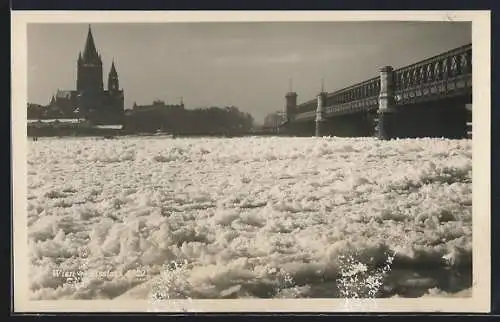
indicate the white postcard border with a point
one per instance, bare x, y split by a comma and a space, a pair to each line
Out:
480, 300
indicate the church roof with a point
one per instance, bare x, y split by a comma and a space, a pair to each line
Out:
90, 51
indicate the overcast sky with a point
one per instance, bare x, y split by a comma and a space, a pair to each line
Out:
243, 64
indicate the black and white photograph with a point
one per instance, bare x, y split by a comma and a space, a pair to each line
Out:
261, 164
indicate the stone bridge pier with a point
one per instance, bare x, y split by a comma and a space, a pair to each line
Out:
296, 128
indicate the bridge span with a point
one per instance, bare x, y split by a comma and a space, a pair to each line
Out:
430, 98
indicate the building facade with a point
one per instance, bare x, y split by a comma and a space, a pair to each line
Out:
157, 116
273, 121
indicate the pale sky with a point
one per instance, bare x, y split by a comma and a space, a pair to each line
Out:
243, 64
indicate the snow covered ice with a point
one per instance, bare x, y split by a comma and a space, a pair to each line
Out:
246, 217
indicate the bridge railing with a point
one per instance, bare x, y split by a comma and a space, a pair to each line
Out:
361, 95
306, 110
307, 106
366, 89
440, 68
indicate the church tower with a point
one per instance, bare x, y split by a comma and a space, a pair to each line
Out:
113, 83
115, 95
89, 73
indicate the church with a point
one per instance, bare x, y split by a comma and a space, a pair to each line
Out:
90, 101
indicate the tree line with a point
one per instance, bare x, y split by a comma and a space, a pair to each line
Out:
200, 121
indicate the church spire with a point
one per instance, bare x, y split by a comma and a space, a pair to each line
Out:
90, 51
113, 84
113, 69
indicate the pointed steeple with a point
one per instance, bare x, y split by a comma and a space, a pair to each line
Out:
53, 100
113, 83
90, 51
113, 69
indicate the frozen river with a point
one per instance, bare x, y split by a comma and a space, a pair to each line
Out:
249, 217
